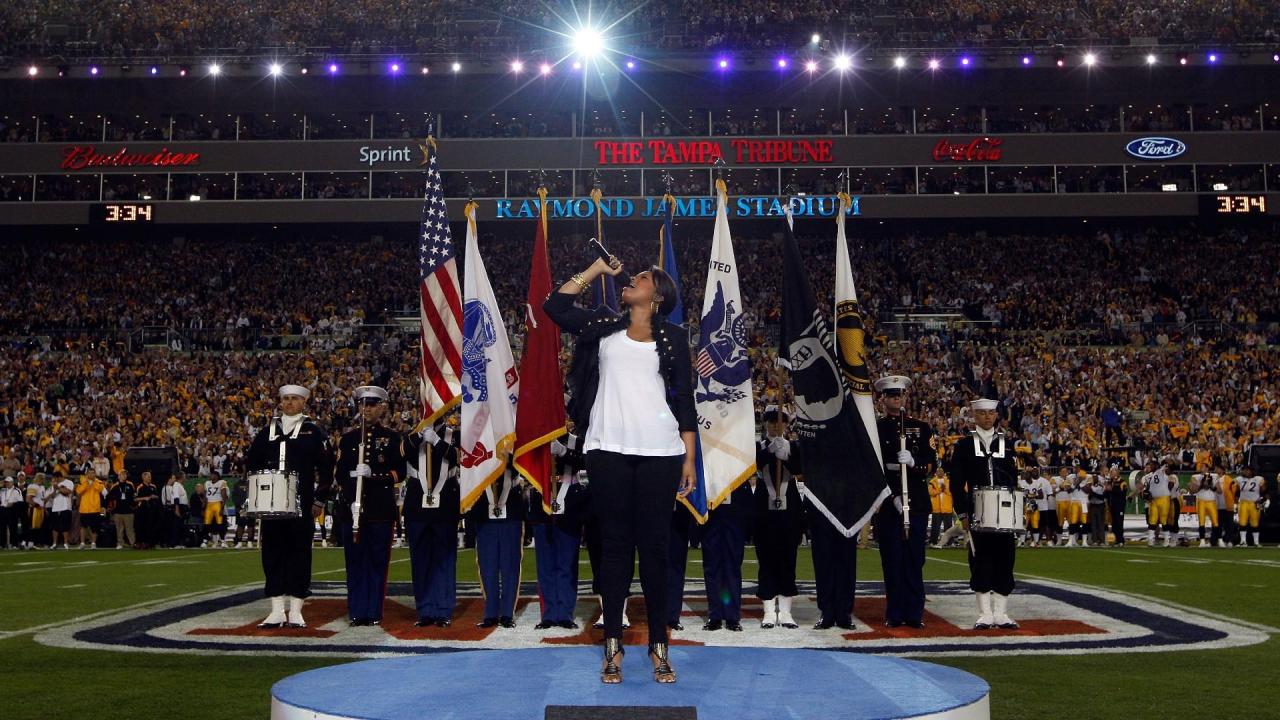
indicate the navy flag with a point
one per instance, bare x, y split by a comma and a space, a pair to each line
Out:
843, 477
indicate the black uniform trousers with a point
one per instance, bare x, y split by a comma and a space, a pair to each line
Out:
724, 540
902, 559
991, 562
9, 526
1117, 520
631, 496
677, 562
556, 552
286, 556
777, 537
835, 562
499, 551
367, 562
433, 560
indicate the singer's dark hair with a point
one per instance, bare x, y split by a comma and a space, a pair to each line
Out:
666, 287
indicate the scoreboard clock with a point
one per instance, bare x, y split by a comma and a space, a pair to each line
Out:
1233, 204
121, 213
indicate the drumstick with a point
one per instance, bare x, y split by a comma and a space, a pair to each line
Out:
355, 504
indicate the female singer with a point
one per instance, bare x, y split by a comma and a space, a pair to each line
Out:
632, 403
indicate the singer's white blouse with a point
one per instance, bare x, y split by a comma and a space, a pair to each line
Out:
631, 415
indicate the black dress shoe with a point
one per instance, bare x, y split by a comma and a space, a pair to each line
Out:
545, 625
823, 624
845, 624
443, 622
675, 626
568, 625
893, 623
356, 622
425, 622
917, 624
712, 625
507, 622
733, 626
487, 623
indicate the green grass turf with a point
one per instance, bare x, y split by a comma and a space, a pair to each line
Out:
43, 682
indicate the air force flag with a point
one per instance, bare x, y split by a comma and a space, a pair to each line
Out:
490, 382
722, 389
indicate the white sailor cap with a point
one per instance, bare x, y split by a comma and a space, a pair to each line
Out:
370, 391
299, 390
8, 478
890, 383
984, 404
773, 413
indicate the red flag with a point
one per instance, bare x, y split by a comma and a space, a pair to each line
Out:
540, 412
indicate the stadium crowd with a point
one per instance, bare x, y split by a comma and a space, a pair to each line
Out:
290, 29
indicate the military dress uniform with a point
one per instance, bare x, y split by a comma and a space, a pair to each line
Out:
779, 525
724, 541
431, 514
295, 444
557, 537
902, 553
979, 460
367, 551
499, 516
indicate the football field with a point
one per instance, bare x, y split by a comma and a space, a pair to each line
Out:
1107, 633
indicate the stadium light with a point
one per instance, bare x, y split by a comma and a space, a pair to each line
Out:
93, 70
276, 69
899, 62
517, 67
1090, 59
395, 68
934, 64
1026, 60
782, 63
1213, 57
588, 42
155, 70
1151, 59
1182, 59
965, 61
631, 64
333, 68
843, 62
456, 67
33, 71
723, 63
811, 66
215, 69
577, 65
815, 38
545, 69
425, 70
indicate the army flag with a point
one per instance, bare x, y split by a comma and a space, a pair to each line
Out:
843, 476
490, 383
851, 335
540, 412
722, 386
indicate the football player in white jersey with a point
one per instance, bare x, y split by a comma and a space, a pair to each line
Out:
215, 521
1252, 487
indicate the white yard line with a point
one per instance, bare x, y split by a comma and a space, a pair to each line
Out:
1159, 601
1252, 562
112, 611
81, 564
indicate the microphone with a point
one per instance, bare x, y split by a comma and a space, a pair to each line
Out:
622, 277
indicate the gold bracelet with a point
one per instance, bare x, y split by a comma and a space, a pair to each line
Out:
581, 282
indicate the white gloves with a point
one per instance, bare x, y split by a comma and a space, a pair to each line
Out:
558, 449
429, 436
363, 470
780, 448
904, 458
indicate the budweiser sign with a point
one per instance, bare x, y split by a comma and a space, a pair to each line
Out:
983, 149
82, 157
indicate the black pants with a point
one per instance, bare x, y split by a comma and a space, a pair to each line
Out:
991, 562
632, 498
1226, 529
1098, 523
723, 543
1117, 521
677, 561
835, 564
1050, 524
9, 527
902, 560
286, 556
938, 524
777, 541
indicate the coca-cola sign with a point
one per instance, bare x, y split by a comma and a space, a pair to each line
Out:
83, 157
1155, 148
983, 149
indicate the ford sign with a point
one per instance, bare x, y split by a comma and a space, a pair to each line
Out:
1156, 148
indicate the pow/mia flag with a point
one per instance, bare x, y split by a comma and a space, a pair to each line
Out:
851, 336
843, 475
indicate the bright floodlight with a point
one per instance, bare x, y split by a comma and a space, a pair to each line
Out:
815, 38
1151, 59
899, 62
588, 42
33, 70
1090, 59
456, 67
517, 66
545, 69
934, 64
843, 62
811, 66
275, 69
215, 69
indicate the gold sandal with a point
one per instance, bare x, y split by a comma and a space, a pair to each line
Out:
613, 652
662, 672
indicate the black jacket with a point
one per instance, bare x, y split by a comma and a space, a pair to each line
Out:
968, 470
584, 375
308, 455
384, 454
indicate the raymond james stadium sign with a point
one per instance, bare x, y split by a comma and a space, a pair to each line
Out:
697, 207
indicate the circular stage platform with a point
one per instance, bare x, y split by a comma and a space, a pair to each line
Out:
720, 683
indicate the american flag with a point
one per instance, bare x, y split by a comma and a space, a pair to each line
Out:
440, 304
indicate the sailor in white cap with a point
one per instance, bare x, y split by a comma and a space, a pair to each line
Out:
10, 508
369, 469
291, 443
910, 457
984, 459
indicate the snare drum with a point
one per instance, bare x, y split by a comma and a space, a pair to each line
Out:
273, 494
997, 509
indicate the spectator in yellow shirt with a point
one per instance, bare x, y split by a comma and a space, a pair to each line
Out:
944, 515
90, 491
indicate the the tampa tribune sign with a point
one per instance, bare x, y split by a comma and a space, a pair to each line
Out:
760, 206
